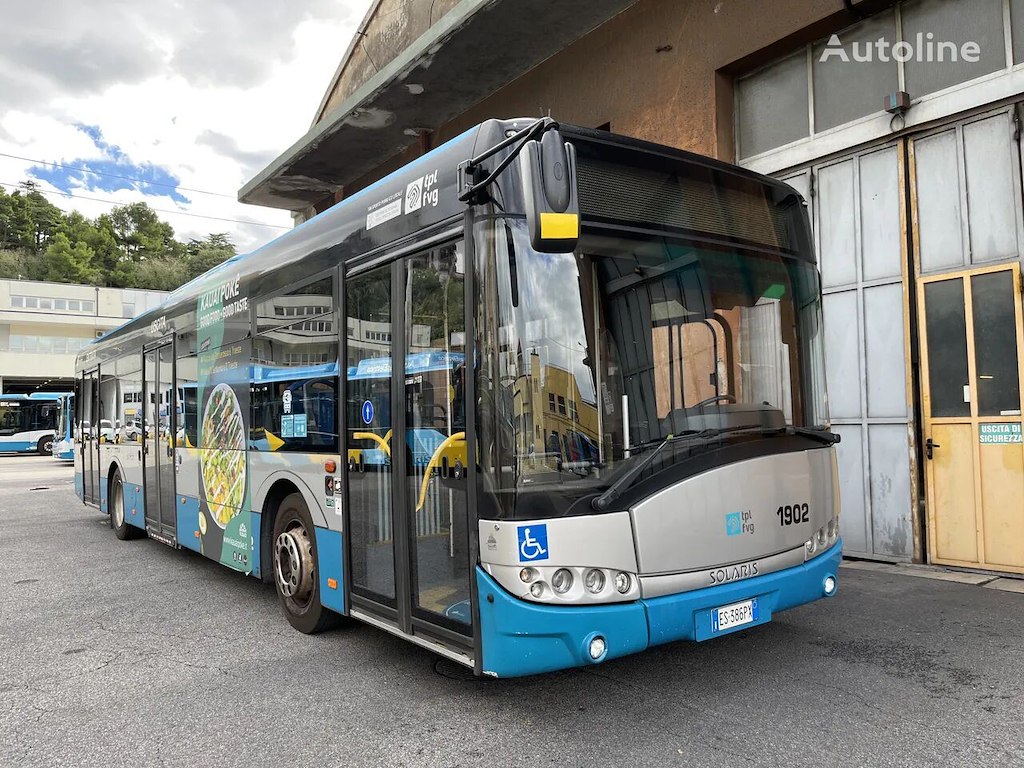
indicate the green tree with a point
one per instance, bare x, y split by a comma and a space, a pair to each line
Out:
67, 263
203, 255
100, 237
14, 265
40, 219
140, 233
130, 247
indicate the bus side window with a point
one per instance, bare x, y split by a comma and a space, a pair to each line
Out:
295, 371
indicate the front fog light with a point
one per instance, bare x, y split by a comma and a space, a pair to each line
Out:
597, 647
829, 585
622, 582
527, 575
561, 581
537, 589
594, 580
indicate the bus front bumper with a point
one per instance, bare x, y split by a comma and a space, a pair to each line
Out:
524, 638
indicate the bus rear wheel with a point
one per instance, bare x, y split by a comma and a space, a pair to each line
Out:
45, 446
295, 573
122, 529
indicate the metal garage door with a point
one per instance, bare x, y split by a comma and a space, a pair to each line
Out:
857, 212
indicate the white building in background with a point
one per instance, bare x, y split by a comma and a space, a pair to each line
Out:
43, 325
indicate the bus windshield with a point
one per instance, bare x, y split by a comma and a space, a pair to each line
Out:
601, 355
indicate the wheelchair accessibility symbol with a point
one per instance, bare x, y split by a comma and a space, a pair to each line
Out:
533, 542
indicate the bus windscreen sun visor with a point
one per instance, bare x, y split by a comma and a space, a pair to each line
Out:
552, 203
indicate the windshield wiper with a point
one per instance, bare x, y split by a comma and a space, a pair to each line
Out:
815, 433
601, 502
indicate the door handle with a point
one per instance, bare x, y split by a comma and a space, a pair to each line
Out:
929, 445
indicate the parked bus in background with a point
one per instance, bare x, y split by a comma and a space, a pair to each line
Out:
64, 439
28, 423
544, 397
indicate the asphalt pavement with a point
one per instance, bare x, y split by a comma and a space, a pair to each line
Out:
130, 653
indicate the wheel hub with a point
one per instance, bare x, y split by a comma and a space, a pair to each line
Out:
293, 564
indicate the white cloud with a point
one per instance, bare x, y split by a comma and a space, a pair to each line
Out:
210, 93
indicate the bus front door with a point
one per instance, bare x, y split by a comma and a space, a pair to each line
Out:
158, 430
408, 517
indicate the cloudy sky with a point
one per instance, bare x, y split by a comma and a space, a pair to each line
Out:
177, 103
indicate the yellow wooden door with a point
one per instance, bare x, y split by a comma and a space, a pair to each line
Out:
971, 357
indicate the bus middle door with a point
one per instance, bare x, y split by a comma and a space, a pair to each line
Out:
158, 430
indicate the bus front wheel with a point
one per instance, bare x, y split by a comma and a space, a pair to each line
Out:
45, 445
296, 578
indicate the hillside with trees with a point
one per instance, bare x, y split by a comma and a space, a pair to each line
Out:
130, 247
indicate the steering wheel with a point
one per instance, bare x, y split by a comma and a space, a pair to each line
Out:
715, 399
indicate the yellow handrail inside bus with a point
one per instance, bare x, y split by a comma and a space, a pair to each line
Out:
383, 442
435, 460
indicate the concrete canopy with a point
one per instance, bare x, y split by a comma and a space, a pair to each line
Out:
477, 47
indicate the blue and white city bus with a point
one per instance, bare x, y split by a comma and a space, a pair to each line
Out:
64, 439
28, 423
624, 337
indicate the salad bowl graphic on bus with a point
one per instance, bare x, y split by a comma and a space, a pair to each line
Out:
223, 460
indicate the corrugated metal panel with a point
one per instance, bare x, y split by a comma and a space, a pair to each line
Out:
860, 249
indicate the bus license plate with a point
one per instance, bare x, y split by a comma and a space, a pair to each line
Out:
735, 615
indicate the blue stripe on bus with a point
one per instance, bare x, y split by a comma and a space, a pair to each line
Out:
134, 505
187, 522
103, 497
79, 485
523, 638
17, 445
687, 616
330, 559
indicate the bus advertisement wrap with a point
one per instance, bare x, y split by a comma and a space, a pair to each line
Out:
225, 523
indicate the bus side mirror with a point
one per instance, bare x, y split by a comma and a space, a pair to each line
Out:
549, 187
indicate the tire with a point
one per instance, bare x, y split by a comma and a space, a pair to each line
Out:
296, 579
45, 446
115, 500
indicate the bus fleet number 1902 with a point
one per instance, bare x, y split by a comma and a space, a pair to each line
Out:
791, 515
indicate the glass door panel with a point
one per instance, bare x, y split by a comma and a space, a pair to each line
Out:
369, 435
167, 421
88, 431
435, 440
150, 441
946, 323
995, 344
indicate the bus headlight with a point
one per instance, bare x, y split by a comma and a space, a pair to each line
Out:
822, 539
561, 581
567, 584
594, 581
